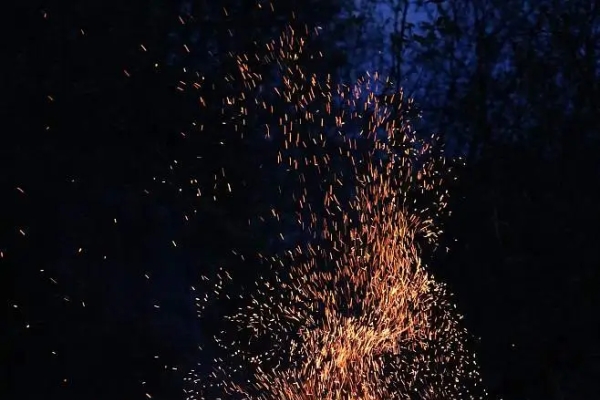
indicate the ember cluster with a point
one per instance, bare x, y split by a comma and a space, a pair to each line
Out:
349, 310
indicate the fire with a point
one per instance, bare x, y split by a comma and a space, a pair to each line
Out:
352, 313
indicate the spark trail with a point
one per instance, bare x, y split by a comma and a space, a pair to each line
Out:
351, 312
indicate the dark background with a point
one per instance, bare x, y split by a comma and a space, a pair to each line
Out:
91, 124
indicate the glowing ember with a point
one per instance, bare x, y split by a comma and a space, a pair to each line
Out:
351, 312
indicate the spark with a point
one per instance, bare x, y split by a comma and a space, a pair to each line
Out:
354, 312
